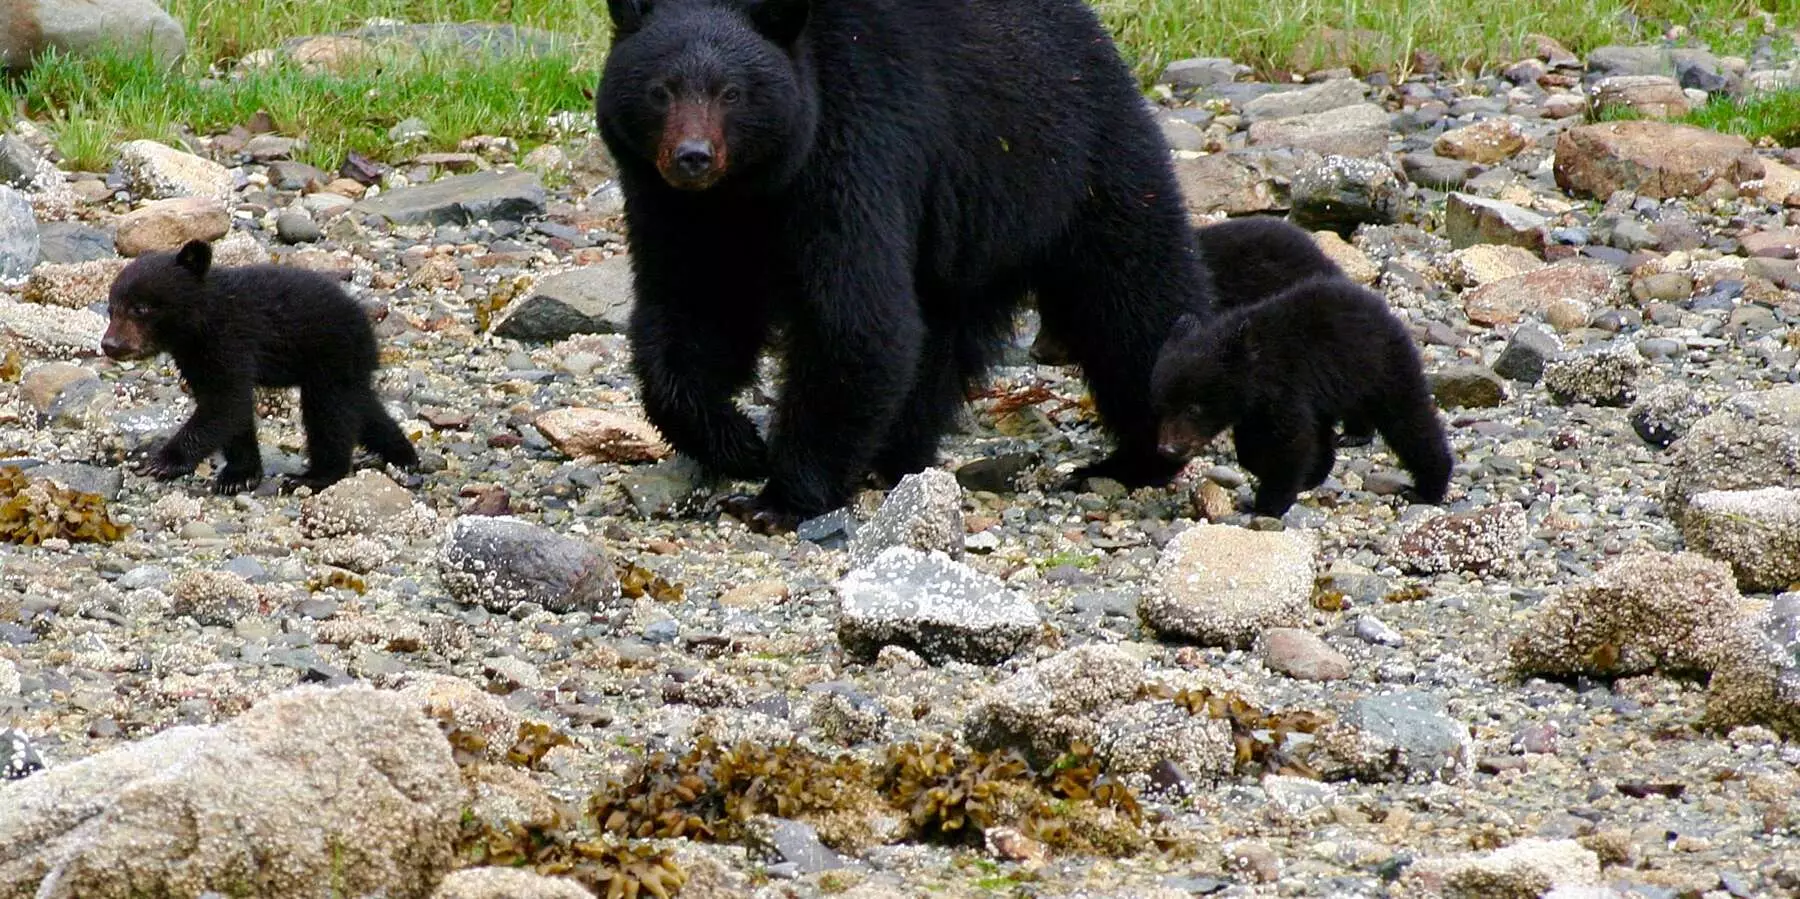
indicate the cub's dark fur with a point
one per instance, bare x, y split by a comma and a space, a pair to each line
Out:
1281, 373
230, 330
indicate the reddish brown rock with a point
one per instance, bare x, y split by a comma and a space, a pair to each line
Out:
1656, 159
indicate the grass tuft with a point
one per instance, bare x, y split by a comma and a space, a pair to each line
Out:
1774, 115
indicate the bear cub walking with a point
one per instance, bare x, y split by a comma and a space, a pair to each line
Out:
231, 330
1281, 373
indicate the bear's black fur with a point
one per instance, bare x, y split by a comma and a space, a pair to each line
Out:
884, 182
1282, 372
1251, 259
233, 329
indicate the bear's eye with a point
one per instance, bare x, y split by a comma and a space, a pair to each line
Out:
141, 309
730, 96
659, 95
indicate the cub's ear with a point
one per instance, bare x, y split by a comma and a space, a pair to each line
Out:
195, 256
627, 15
780, 20
1186, 323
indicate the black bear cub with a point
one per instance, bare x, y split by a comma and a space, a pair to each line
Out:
230, 330
882, 183
1251, 258
1281, 373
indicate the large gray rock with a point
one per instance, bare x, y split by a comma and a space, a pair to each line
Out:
459, 200
594, 299
18, 235
1752, 441
312, 793
73, 242
1341, 192
1396, 736
29, 27
923, 511
1313, 99
500, 561
1223, 585
1359, 131
934, 605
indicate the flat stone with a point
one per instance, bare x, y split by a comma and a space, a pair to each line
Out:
593, 299
1470, 220
460, 200
1223, 585
933, 605
19, 236
1659, 160
158, 172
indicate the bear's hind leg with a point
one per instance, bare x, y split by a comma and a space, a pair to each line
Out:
383, 436
1325, 456
1410, 425
332, 416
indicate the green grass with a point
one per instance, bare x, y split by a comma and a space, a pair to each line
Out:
91, 105
1774, 115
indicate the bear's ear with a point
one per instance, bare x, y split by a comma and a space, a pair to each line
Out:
627, 15
780, 20
195, 256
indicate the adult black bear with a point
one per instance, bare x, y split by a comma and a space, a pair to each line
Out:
884, 181
1251, 259
1282, 372
233, 329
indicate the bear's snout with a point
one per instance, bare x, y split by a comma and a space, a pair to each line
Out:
692, 155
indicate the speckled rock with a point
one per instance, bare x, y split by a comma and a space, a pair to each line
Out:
1651, 96
1478, 541
1756, 531
1758, 680
605, 435
1662, 414
73, 285
1642, 612
1480, 264
1344, 191
933, 605
1061, 699
159, 172
1358, 131
312, 793
1524, 870
1136, 738
1598, 376
500, 561
923, 511
1223, 585
1485, 142
51, 331
1752, 441
367, 502
213, 597
507, 883
1505, 300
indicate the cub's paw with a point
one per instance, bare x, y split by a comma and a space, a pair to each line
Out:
317, 483
233, 481
164, 466
758, 514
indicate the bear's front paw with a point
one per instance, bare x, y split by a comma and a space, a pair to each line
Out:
233, 481
165, 466
758, 514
